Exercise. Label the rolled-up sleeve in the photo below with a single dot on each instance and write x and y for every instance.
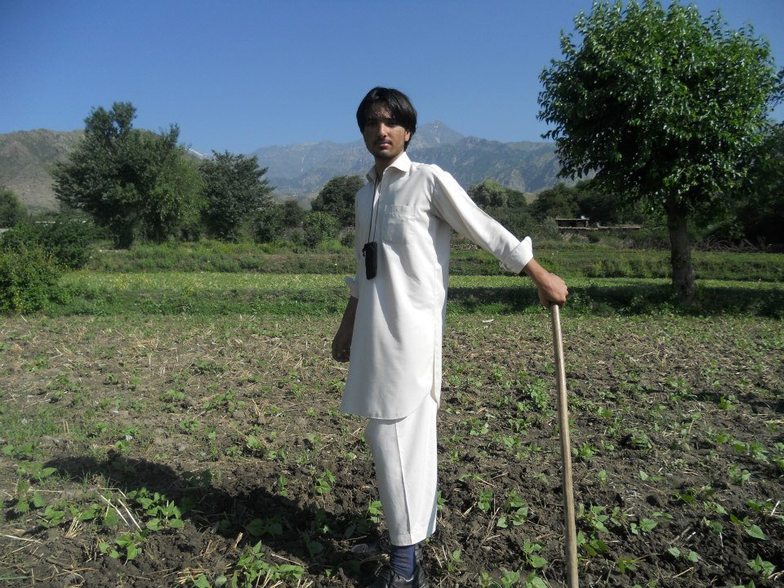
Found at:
(519, 257)
(455, 207)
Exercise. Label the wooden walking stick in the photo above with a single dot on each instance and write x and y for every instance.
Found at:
(566, 454)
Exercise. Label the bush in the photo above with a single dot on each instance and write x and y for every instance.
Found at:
(19, 238)
(347, 237)
(68, 240)
(28, 279)
(517, 221)
(546, 229)
(12, 212)
(318, 227)
(268, 225)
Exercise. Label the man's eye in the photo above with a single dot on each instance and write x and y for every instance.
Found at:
(390, 122)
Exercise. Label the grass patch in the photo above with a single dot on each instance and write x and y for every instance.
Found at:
(567, 259)
(209, 293)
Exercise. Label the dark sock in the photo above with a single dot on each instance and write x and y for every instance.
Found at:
(403, 560)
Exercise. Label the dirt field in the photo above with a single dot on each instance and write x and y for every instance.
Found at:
(164, 451)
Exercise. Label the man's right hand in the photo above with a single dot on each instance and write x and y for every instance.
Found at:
(341, 347)
(341, 343)
(550, 287)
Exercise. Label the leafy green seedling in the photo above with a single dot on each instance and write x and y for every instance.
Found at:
(761, 567)
(530, 552)
(485, 501)
(324, 483)
(375, 511)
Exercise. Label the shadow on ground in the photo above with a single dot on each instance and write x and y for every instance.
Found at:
(293, 529)
(627, 299)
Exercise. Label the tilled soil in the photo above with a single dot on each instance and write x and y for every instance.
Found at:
(676, 434)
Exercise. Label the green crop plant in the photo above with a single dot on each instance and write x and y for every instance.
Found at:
(586, 451)
(749, 526)
(531, 555)
(27, 500)
(254, 445)
(738, 475)
(539, 393)
(508, 578)
(189, 425)
(644, 526)
(763, 568)
(689, 555)
(161, 512)
(478, 427)
(515, 512)
(324, 483)
(485, 500)
(454, 561)
(626, 564)
(375, 511)
(173, 396)
(252, 570)
(126, 546)
(271, 527)
(594, 519)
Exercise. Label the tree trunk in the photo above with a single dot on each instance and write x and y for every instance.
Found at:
(123, 232)
(680, 254)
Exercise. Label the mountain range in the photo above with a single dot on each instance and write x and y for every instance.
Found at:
(299, 171)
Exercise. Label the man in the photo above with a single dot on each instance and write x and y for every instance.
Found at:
(392, 327)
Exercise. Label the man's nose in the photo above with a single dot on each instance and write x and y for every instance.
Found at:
(382, 128)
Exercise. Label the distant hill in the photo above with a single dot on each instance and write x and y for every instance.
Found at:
(26, 158)
(300, 171)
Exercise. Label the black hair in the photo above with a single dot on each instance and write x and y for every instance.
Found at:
(400, 107)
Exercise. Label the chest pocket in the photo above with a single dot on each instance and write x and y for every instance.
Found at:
(397, 224)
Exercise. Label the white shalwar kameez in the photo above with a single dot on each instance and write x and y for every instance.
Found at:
(396, 344)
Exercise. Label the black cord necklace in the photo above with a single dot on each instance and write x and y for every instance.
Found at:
(370, 250)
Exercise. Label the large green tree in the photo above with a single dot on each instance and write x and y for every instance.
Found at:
(489, 193)
(560, 200)
(337, 198)
(131, 181)
(664, 105)
(235, 189)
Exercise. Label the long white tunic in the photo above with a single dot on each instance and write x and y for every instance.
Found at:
(397, 339)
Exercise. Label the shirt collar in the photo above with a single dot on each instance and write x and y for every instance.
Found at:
(402, 163)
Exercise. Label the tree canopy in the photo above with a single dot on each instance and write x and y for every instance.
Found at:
(130, 181)
(337, 198)
(489, 193)
(234, 188)
(663, 105)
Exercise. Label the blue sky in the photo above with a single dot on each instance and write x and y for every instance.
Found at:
(238, 74)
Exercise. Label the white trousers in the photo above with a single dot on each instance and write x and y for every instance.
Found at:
(405, 455)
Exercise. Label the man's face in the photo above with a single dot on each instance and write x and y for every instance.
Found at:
(384, 137)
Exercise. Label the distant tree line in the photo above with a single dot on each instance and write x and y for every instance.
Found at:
(234, 201)
(136, 185)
